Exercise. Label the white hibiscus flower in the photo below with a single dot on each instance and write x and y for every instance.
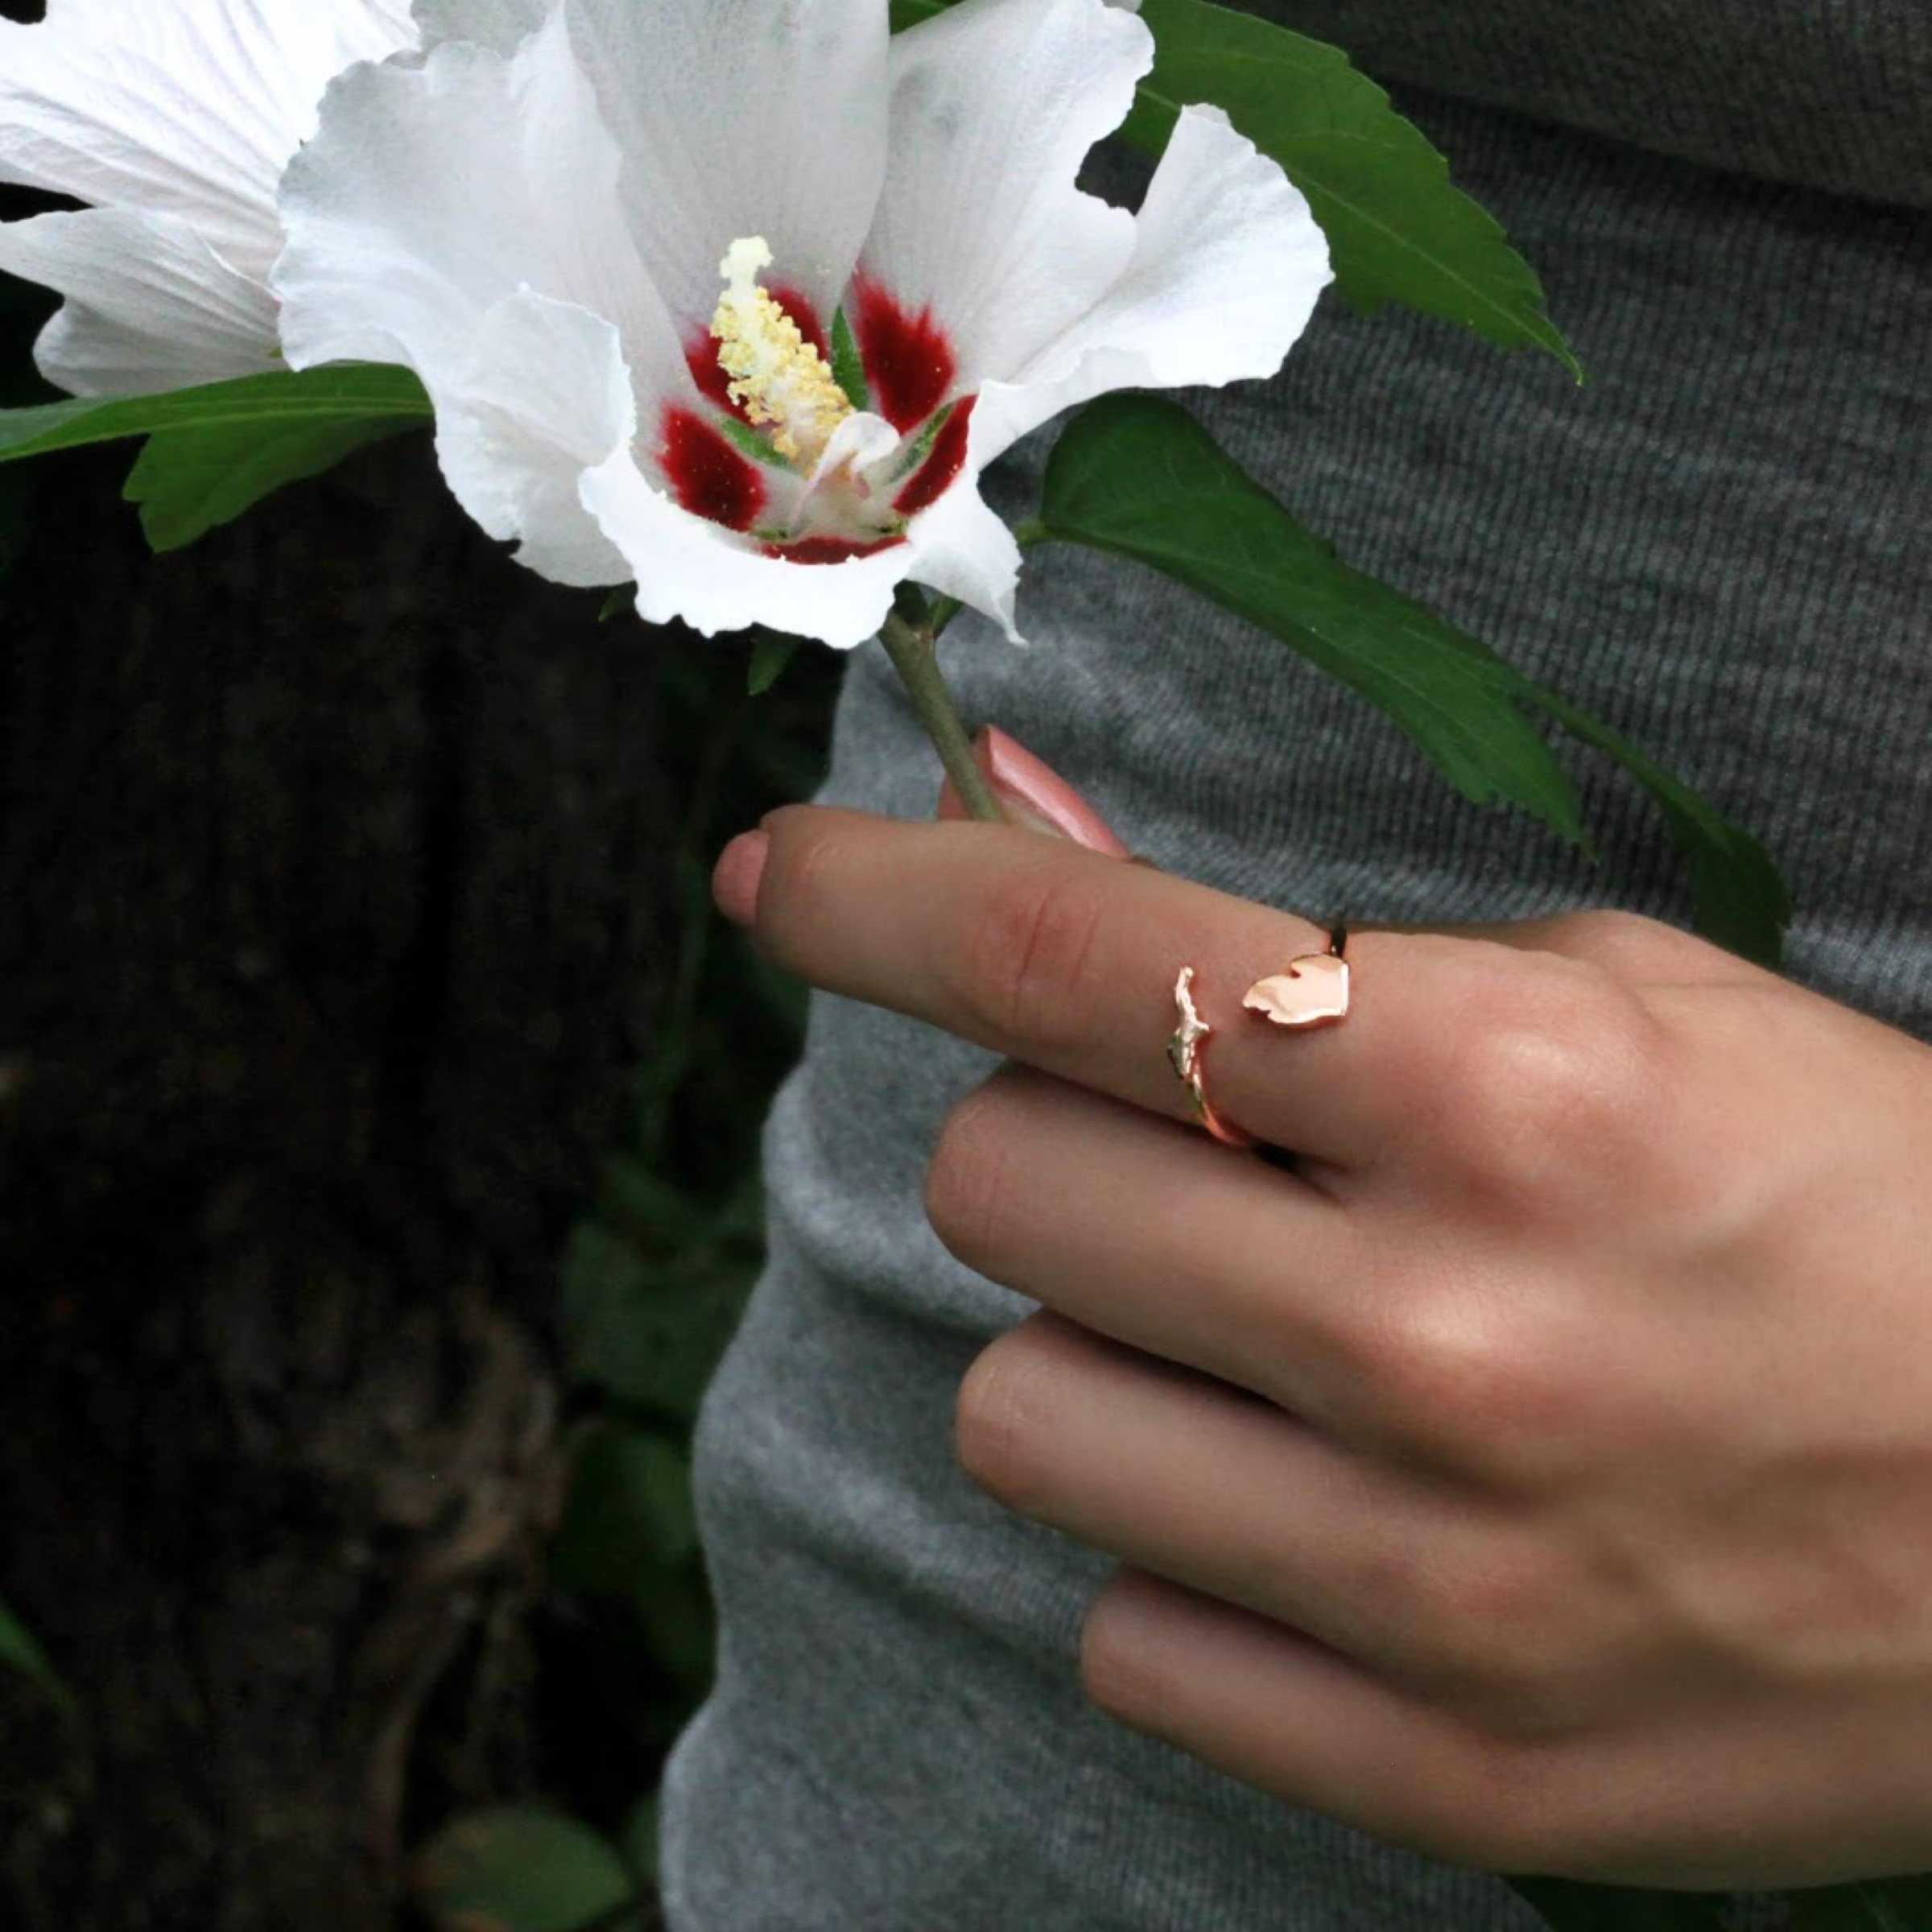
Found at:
(737, 298)
(175, 118)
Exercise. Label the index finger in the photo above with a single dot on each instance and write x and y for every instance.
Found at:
(1065, 960)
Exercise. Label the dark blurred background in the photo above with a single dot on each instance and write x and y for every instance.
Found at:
(378, 1105)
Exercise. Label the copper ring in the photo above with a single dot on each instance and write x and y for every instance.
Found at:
(1186, 1053)
(1312, 990)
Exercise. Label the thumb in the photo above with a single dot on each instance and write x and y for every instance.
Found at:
(1034, 794)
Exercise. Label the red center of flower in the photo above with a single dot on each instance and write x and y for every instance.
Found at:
(769, 344)
(944, 462)
(830, 550)
(909, 362)
(706, 475)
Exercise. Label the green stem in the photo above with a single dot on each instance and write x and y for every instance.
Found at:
(917, 664)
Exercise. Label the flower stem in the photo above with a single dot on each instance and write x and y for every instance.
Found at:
(917, 664)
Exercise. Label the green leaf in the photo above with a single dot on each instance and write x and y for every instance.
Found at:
(519, 1870)
(620, 603)
(189, 481)
(1138, 477)
(654, 1212)
(910, 13)
(19, 1650)
(1397, 230)
(771, 651)
(1568, 1906)
(678, 1627)
(641, 1839)
(1741, 900)
(316, 398)
(1872, 1904)
(650, 1334)
(628, 1515)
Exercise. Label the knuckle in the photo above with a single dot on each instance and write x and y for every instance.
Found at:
(1554, 1075)
(1444, 1817)
(1027, 966)
(1501, 1631)
(997, 1430)
(968, 1181)
(1492, 1804)
(1627, 941)
(1461, 1376)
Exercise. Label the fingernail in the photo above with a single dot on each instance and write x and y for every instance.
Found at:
(734, 883)
(1035, 794)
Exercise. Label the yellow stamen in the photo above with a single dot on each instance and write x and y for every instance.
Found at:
(777, 378)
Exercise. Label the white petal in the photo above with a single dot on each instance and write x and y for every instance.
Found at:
(1227, 267)
(862, 440)
(716, 581)
(544, 396)
(461, 215)
(150, 306)
(995, 105)
(963, 550)
(502, 25)
(742, 117)
(433, 192)
(183, 107)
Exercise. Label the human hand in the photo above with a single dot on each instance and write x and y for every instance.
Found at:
(1539, 1471)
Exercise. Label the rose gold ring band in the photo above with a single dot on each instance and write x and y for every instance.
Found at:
(1312, 990)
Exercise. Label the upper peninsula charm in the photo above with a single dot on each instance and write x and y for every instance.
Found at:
(1312, 991)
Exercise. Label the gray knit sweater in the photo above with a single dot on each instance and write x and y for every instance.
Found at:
(1721, 546)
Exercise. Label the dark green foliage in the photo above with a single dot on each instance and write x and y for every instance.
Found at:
(1896, 1905)
(516, 1870)
(1569, 1906)
(771, 652)
(217, 450)
(1399, 231)
(270, 403)
(20, 1650)
(187, 482)
(1137, 475)
(1887, 1904)
(656, 1274)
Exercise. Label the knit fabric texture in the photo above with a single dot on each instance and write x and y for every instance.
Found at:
(1720, 546)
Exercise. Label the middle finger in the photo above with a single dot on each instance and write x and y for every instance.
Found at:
(1148, 1233)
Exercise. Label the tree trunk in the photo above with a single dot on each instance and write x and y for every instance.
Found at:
(333, 883)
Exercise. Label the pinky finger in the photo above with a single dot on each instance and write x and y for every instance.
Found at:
(1286, 1715)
